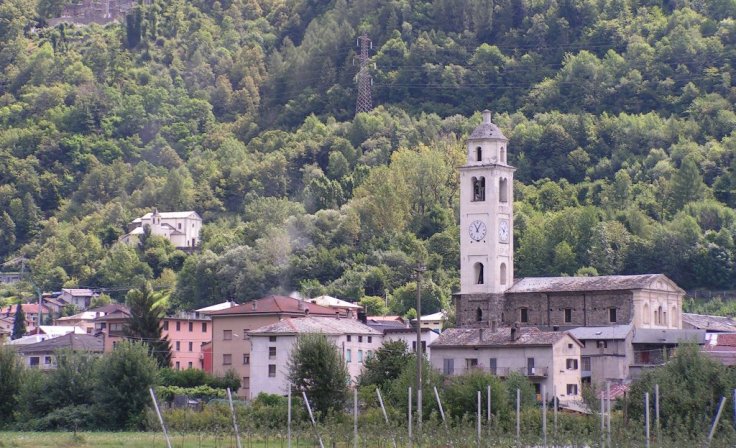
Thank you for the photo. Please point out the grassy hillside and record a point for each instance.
(620, 115)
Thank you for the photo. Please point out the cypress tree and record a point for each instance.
(19, 324)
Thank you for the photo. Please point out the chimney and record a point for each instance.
(337, 314)
(486, 116)
(300, 305)
(254, 304)
(515, 331)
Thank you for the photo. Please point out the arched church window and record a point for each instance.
(478, 154)
(659, 316)
(478, 315)
(479, 189)
(673, 316)
(502, 272)
(503, 190)
(478, 273)
(502, 159)
(645, 313)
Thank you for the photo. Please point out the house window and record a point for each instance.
(601, 344)
(246, 359)
(448, 366)
(568, 315)
(492, 366)
(478, 273)
(272, 370)
(177, 365)
(585, 361)
(612, 315)
(271, 352)
(503, 188)
(569, 345)
(179, 225)
(370, 339)
(571, 364)
(191, 326)
(348, 355)
(246, 382)
(34, 361)
(478, 154)
(368, 354)
(178, 326)
(190, 365)
(471, 363)
(191, 346)
(227, 335)
(479, 189)
(645, 313)
(204, 327)
(227, 359)
(178, 346)
(360, 338)
(272, 339)
(572, 389)
(245, 333)
(360, 356)
(47, 360)
(502, 272)
(503, 155)
(524, 314)
(166, 325)
(349, 338)
(414, 346)
(478, 315)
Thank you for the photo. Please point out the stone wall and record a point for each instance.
(586, 309)
(467, 305)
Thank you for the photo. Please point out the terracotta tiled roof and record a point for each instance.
(276, 305)
(454, 337)
(28, 308)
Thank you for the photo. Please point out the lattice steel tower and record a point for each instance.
(364, 102)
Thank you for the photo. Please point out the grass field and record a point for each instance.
(129, 439)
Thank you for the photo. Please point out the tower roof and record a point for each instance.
(487, 130)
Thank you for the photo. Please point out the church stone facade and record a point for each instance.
(489, 295)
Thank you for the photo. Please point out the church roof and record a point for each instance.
(527, 336)
(486, 129)
(597, 283)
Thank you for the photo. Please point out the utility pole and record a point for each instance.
(364, 102)
(419, 270)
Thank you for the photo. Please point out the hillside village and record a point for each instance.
(559, 332)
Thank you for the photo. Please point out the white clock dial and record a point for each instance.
(477, 230)
(503, 231)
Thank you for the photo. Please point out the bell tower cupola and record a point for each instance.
(486, 212)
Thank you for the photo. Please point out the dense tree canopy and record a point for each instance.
(620, 117)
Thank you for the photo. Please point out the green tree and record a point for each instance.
(11, 378)
(373, 306)
(19, 323)
(121, 391)
(385, 365)
(147, 308)
(461, 394)
(687, 185)
(316, 367)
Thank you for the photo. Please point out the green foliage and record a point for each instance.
(11, 376)
(19, 323)
(316, 367)
(385, 365)
(516, 381)
(188, 378)
(167, 393)
(147, 308)
(123, 378)
(461, 394)
(691, 385)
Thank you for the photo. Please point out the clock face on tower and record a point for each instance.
(503, 231)
(477, 230)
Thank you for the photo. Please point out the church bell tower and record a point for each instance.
(486, 225)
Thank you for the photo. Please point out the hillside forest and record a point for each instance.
(620, 115)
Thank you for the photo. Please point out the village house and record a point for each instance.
(271, 347)
(434, 321)
(31, 311)
(231, 345)
(181, 228)
(79, 297)
(187, 332)
(547, 358)
(42, 355)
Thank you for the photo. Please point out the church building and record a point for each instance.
(639, 310)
